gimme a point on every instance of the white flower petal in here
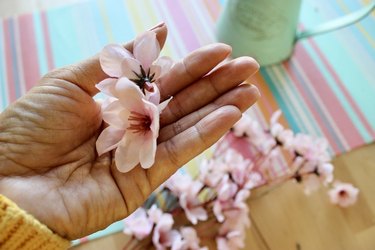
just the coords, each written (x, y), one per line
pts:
(129, 66)
(109, 139)
(153, 97)
(115, 115)
(111, 58)
(129, 94)
(164, 104)
(153, 112)
(276, 116)
(127, 152)
(148, 151)
(146, 49)
(107, 86)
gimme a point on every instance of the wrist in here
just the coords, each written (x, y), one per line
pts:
(23, 231)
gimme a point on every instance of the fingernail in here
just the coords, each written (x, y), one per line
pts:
(256, 91)
(161, 24)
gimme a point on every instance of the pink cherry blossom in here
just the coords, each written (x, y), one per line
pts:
(312, 149)
(232, 231)
(325, 172)
(154, 213)
(189, 201)
(235, 162)
(142, 66)
(311, 183)
(179, 183)
(313, 176)
(254, 133)
(243, 127)
(218, 207)
(212, 171)
(164, 236)
(241, 198)
(189, 240)
(230, 162)
(282, 135)
(226, 189)
(237, 203)
(187, 190)
(343, 194)
(138, 224)
(236, 219)
(133, 125)
(231, 241)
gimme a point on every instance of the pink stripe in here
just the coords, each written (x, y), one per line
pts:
(329, 99)
(28, 50)
(213, 8)
(341, 86)
(170, 36)
(261, 84)
(181, 21)
(312, 107)
(47, 41)
(9, 62)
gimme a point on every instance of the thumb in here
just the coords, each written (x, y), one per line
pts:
(87, 73)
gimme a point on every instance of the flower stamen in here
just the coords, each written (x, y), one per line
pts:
(139, 123)
(144, 80)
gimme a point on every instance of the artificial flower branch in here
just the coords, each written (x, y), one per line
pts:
(217, 197)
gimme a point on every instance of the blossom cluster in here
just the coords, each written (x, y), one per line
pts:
(217, 196)
(230, 178)
(142, 223)
(132, 107)
(221, 189)
(310, 162)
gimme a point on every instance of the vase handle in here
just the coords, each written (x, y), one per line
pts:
(338, 23)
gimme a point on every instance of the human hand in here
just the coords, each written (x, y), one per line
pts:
(48, 160)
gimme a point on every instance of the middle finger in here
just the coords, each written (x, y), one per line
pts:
(209, 88)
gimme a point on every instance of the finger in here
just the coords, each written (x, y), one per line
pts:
(191, 68)
(209, 88)
(241, 97)
(180, 149)
(87, 73)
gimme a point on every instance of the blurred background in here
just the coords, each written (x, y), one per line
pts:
(326, 89)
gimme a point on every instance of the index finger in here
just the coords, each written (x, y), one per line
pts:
(193, 67)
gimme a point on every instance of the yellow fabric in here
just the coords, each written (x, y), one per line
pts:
(19, 230)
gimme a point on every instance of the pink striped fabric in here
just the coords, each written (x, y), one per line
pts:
(323, 90)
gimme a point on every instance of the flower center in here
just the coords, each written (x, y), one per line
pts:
(139, 123)
(343, 193)
(144, 80)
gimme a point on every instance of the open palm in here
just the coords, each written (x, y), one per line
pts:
(48, 160)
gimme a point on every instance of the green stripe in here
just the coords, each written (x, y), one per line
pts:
(356, 72)
(297, 97)
(39, 36)
(292, 114)
(120, 22)
(87, 40)
(339, 94)
(283, 102)
(64, 37)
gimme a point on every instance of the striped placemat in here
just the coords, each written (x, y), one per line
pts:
(326, 89)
